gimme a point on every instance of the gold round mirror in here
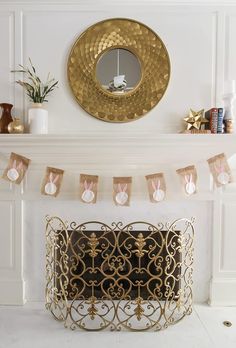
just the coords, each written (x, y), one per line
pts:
(118, 70)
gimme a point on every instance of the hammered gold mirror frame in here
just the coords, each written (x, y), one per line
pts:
(132, 36)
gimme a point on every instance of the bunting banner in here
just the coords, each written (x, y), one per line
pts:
(156, 187)
(52, 181)
(16, 168)
(88, 186)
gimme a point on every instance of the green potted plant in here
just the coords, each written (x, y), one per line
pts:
(37, 91)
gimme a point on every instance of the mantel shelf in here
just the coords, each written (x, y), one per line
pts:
(116, 139)
(115, 149)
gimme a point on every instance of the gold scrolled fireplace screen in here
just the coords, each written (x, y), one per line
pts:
(118, 70)
(135, 277)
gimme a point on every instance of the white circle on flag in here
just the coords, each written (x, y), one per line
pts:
(88, 196)
(190, 188)
(50, 188)
(158, 195)
(121, 198)
(13, 174)
(223, 178)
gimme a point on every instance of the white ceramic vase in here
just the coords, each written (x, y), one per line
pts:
(38, 119)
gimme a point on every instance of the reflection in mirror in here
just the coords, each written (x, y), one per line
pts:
(118, 71)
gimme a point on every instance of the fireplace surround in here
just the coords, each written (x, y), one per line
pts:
(136, 276)
(23, 208)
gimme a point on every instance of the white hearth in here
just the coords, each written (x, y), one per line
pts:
(23, 208)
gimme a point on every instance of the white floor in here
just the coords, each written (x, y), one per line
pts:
(32, 326)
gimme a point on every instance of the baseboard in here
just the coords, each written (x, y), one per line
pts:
(12, 292)
(223, 292)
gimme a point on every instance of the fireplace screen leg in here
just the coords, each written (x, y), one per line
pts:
(135, 277)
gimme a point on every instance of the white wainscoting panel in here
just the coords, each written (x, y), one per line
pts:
(7, 56)
(230, 49)
(6, 247)
(12, 285)
(228, 256)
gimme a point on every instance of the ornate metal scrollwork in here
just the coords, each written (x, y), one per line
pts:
(136, 277)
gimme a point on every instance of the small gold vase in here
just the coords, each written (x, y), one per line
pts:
(16, 127)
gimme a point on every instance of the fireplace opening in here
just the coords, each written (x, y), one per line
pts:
(130, 265)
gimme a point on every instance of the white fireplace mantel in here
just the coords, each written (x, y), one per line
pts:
(139, 148)
(111, 154)
(114, 138)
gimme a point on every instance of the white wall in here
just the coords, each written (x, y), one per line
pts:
(197, 37)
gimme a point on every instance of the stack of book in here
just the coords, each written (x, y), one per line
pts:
(215, 117)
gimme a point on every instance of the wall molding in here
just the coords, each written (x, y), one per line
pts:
(132, 2)
(222, 292)
(12, 292)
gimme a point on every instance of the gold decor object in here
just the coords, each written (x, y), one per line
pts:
(195, 120)
(135, 277)
(16, 126)
(116, 104)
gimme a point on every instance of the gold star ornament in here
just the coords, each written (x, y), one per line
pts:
(195, 119)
